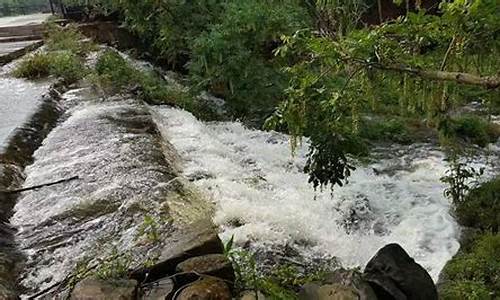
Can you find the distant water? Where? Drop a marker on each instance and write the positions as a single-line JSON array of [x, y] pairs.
[[262, 196]]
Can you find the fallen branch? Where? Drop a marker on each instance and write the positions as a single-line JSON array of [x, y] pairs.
[[40, 186], [489, 82]]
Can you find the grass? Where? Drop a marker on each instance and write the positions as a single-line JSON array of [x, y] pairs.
[[34, 67], [67, 39], [64, 57], [62, 64], [475, 272], [114, 74]]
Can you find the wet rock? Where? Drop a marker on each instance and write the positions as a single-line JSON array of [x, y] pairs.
[[198, 239], [206, 289], [158, 290], [95, 289], [216, 265], [341, 284], [393, 274]]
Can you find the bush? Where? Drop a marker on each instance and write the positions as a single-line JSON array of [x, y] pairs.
[[66, 39], [465, 290], [385, 130], [62, 64], [481, 207], [235, 59], [472, 129], [67, 65], [34, 66], [476, 272], [114, 72]]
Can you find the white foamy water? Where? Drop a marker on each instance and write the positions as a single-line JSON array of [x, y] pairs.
[[262, 195]]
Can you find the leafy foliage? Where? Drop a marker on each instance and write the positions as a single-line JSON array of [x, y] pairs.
[[460, 179], [234, 58], [282, 283], [473, 129], [481, 207], [334, 81], [475, 274]]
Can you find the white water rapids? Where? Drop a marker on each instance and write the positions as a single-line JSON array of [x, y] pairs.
[[262, 195]]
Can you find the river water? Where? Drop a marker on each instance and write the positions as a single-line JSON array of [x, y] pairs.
[[262, 196], [135, 161], [18, 100]]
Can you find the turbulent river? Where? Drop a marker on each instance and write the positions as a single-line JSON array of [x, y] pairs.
[[262, 196], [134, 160]]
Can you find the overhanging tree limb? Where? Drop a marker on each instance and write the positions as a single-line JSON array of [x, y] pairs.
[[489, 82]]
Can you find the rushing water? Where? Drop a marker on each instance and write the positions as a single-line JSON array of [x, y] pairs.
[[18, 100], [262, 195]]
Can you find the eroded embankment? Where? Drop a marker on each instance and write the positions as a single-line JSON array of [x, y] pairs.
[[128, 198]]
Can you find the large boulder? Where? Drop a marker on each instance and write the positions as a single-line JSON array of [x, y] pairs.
[[198, 239], [95, 289], [393, 274]]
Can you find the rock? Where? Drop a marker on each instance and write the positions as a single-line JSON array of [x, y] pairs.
[[251, 295], [95, 289], [209, 288], [197, 239], [393, 274], [158, 290], [216, 265], [341, 284]]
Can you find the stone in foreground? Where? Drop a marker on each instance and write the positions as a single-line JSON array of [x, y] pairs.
[[339, 285], [95, 289], [216, 265], [197, 239], [208, 288], [393, 274]]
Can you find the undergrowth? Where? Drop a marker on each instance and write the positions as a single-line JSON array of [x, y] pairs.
[[281, 283]]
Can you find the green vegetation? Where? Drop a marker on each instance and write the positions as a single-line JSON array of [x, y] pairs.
[[18, 7], [474, 274], [35, 66], [481, 207], [63, 64], [472, 129], [281, 283], [64, 57], [312, 68]]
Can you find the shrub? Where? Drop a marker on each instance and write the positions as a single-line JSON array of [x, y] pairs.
[[34, 66], [481, 207], [385, 130], [475, 272], [472, 129], [67, 65], [62, 64], [67, 39], [465, 290], [113, 71], [234, 59]]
